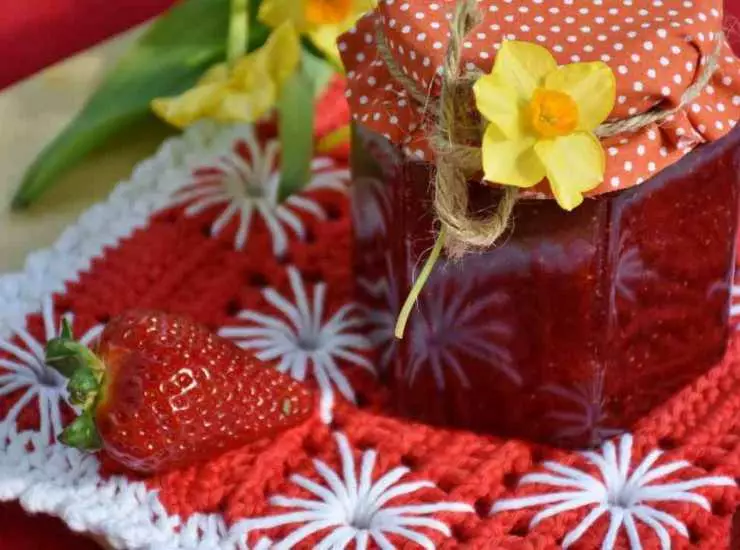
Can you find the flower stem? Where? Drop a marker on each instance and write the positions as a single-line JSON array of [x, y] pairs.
[[421, 281], [238, 30], [333, 140]]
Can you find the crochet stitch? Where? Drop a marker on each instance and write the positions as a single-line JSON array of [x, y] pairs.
[[360, 476]]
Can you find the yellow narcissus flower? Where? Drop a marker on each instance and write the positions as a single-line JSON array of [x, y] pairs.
[[321, 20], [542, 121], [243, 93]]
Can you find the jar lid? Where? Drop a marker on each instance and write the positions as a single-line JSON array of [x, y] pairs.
[[657, 49]]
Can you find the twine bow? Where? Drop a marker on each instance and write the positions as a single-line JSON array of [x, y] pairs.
[[455, 136]]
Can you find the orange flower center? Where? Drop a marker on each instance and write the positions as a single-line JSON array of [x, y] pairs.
[[553, 113], [322, 12]]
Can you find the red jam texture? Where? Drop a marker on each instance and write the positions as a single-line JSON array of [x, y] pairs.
[[577, 324]]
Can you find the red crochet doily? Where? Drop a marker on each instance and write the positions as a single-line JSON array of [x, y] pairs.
[[356, 475]]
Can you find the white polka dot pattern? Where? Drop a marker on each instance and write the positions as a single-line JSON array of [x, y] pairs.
[[655, 47]]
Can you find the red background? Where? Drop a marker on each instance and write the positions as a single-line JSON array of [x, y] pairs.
[[34, 35]]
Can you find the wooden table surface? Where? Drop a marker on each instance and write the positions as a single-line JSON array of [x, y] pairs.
[[31, 113]]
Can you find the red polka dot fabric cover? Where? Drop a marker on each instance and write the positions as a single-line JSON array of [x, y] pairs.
[[656, 49], [183, 235]]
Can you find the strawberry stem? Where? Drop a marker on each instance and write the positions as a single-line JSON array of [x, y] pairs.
[[66, 332], [82, 433], [85, 372], [83, 387], [67, 355]]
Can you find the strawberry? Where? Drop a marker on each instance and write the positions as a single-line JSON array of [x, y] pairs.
[[161, 391]]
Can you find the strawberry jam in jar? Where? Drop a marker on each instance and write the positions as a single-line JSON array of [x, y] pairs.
[[577, 321], [572, 328]]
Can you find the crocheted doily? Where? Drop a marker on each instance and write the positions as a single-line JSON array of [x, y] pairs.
[[184, 235]]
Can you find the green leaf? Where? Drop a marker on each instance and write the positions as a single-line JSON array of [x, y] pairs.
[[62, 355], [166, 61], [66, 332], [83, 386], [318, 70], [82, 434], [62, 352], [68, 356], [296, 121]]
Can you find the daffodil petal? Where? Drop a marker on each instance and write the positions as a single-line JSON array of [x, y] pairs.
[[360, 7], [245, 107], [325, 39], [216, 74], [248, 71], [257, 77], [276, 60], [499, 103], [591, 85], [510, 161], [274, 13], [523, 66], [196, 103], [575, 164], [244, 94], [281, 53]]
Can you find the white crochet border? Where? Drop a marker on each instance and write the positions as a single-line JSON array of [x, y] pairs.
[[64, 482]]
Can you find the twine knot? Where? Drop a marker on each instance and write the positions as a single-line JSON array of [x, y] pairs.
[[455, 135]]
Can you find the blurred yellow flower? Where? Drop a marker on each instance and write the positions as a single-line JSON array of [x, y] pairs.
[[542, 121], [244, 92], [321, 20]]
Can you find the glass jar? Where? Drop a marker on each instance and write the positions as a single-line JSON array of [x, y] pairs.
[[572, 328]]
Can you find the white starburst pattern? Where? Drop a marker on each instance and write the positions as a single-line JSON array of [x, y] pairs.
[[627, 495], [735, 306], [583, 420], [382, 319], [23, 367], [248, 183], [629, 272], [353, 508], [371, 207], [451, 322], [299, 339]]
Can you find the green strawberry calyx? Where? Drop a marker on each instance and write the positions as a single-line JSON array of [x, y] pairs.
[[82, 433], [85, 371]]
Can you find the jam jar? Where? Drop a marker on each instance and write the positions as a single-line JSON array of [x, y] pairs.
[[575, 324], [572, 328]]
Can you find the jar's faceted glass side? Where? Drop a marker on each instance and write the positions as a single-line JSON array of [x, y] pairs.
[[576, 324]]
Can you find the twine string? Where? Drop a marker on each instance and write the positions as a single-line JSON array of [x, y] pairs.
[[456, 131], [658, 114]]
